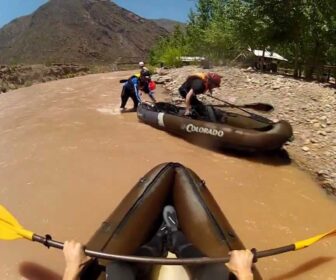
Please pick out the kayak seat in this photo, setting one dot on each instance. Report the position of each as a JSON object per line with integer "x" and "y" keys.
{"x": 211, "y": 113}
{"x": 92, "y": 270}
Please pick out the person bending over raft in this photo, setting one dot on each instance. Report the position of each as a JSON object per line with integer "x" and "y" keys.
{"x": 198, "y": 84}
{"x": 168, "y": 237}
{"x": 130, "y": 89}
{"x": 145, "y": 81}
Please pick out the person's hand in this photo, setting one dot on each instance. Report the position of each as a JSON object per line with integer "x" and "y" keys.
{"x": 240, "y": 264}
{"x": 187, "y": 112}
{"x": 75, "y": 258}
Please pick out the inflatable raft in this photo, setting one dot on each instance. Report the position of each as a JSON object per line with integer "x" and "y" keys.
{"x": 218, "y": 128}
{"x": 139, "y": 215}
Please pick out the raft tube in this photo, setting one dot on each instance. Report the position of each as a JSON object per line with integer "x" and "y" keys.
{"x": 139, "y": 215}
{"x": 219, "y": 129}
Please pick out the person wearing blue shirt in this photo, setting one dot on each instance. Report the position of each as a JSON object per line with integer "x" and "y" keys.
{"x": 130, "y": 90}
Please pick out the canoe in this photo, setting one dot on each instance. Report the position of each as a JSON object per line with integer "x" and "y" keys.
{"x": 218, "y": 128}
{"x": 139, "y": 215}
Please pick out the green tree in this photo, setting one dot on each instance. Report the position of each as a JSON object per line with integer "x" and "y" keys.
{"x": 304, "y": 30}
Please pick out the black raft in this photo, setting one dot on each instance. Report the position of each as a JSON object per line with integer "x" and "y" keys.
{"x": 129, "y": 230}
{"x": 218, "y": 128}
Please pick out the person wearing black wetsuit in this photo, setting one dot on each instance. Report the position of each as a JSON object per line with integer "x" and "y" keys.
{"x": 145, "y": 79}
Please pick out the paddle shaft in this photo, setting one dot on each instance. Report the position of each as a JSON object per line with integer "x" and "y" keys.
{"x": 230, "y": 104}
{"x": 264, "y": 107}
{"x": 254, "y": 116}
{"x": 163, "y": 261}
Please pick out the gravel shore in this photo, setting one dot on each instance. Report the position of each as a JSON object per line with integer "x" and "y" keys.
{"x": 308, "y": 106}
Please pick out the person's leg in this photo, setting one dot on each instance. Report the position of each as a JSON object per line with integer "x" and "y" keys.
{"x": 198, "y": 107}
{"x": 146, "y": 90}
{"x": 151, "y": 95}
{"x": 124, "y": 96}
{"x": 182, "y": 248}
{"x": 125, "y": 271}
{"x": 135, "y": 101}
{"x": 154, "y": 248}
{"x": 120, "y": 271}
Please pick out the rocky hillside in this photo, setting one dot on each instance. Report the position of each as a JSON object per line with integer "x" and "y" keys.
{"x": 77, "y": 31}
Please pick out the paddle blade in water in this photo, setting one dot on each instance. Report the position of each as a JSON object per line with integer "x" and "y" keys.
{"x": 259, "y": 106}
{"x": 10, "y": 229}
{"x": 7, "y": 232}
{"x": 7, "y": 217}
{"x": 307, "y": 242}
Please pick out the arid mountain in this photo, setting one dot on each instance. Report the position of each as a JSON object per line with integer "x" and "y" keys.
{"x": 169, "y": 24}
{"x": 77, "y": 31}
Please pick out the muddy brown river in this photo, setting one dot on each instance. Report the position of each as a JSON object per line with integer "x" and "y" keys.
{"x": 67, "y": 157}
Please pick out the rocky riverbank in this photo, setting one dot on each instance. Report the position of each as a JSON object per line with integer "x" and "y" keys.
{"x": 308, "y": 106}
{"x": 13, "y": 77}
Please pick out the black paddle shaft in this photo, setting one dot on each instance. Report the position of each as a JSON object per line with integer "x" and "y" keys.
{"x": 253, "y": 116}
{"x": 263, "y": 107}
{"x": 48, "y": 242}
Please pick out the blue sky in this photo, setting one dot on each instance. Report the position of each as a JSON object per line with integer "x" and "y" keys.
{"x": 151, "y": 9}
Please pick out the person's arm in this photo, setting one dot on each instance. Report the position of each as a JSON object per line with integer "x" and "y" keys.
{"x": 240, "y": 264}
{"x": 137, "y": 92}
{"x": 188, "y": 101}
{"x": 75, "y": 258}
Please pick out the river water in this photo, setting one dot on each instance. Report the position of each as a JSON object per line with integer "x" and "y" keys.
{"x": 67, "y": 158}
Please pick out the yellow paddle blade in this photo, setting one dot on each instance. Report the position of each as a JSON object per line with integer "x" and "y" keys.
{"x": 7, "y": 217}
{"x": 10, "y": 229}
{"x": 307, "y": 242}
{"x": 8, "y": 233}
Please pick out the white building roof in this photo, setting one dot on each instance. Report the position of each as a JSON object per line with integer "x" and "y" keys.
{"x": 272, "y": 55}
{"x": 192, "y": 58}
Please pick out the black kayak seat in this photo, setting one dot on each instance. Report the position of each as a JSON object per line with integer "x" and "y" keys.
{"x": 211, "y": 113}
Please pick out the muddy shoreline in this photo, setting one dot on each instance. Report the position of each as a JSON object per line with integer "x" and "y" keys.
{"x": 308, "y": 106}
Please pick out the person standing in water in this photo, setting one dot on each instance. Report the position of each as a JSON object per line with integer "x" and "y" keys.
{"x": 145, "y": 80}
{"x": 130, "y": 89}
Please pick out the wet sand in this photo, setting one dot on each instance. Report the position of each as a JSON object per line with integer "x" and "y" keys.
{"x": 67, "y": 157}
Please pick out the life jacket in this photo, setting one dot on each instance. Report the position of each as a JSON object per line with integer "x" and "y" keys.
{"x": 152, "y": 85}
{"x": 133, "y": 80}
{"x": 203, "y": 77}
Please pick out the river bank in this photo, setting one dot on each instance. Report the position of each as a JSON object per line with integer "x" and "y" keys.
{"x": 17, "y": 76}
{"x": 308, "y": 106}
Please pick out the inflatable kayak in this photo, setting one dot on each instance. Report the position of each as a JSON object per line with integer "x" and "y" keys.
{"x": 139, "y": 215}
{"x": 218, "y": 128}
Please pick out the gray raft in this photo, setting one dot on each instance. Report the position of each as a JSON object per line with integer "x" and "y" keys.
{"x": 218, "y": 128}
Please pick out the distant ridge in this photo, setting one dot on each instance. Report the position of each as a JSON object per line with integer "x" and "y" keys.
{"x": 168, "y": 24}
{"x": 78, "y": 31}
